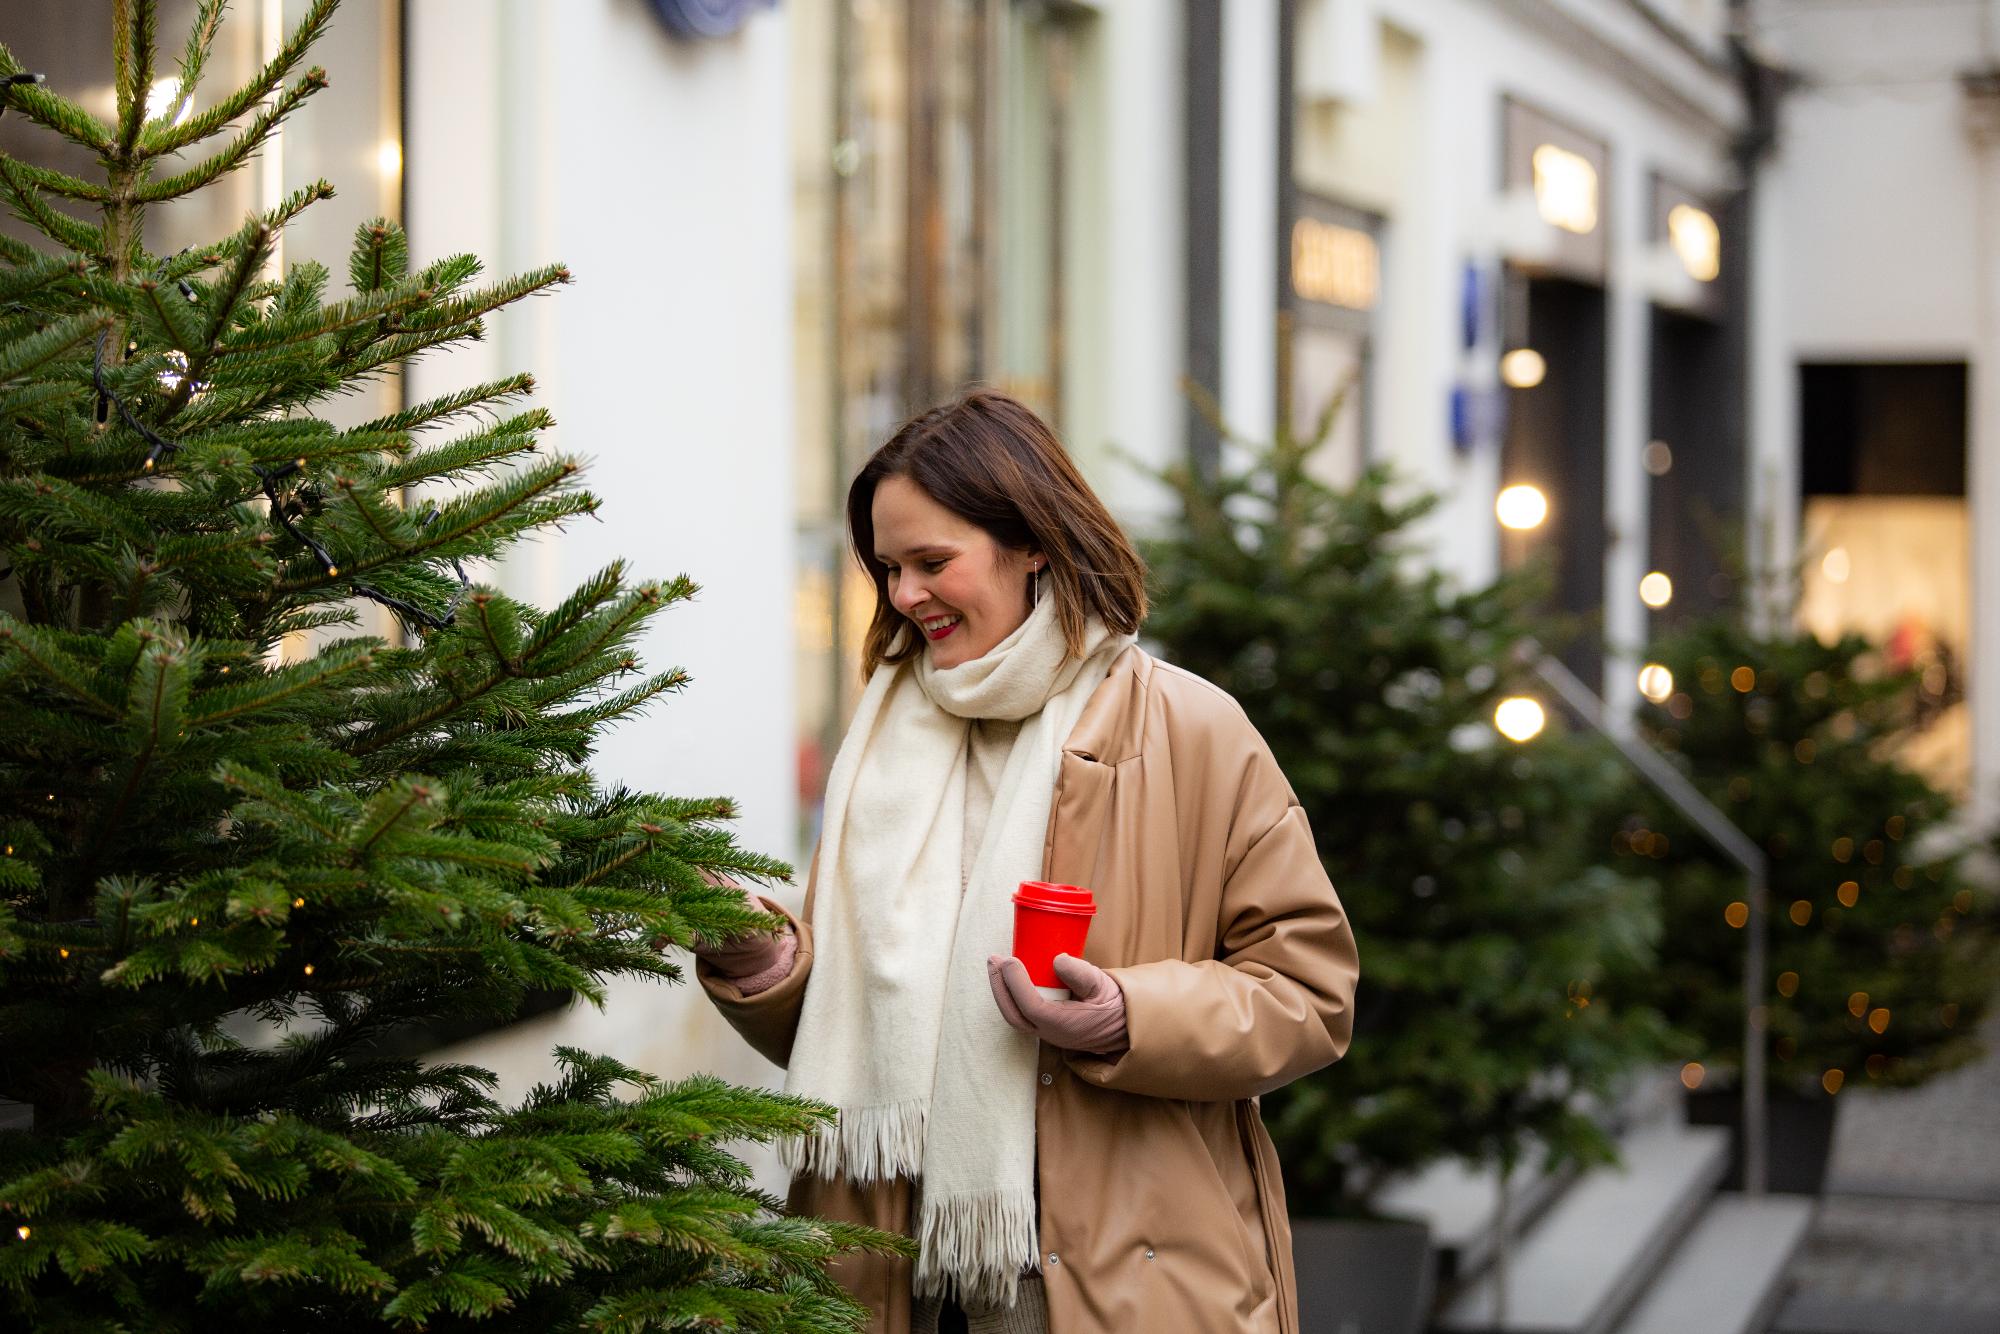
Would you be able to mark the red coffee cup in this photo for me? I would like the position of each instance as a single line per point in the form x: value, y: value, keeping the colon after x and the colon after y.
x: 1050, y: 920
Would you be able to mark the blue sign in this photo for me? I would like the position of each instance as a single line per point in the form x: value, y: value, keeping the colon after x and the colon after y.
x: 707, y: 18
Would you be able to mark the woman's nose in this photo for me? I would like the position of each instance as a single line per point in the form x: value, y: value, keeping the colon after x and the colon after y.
x: 909, y: 594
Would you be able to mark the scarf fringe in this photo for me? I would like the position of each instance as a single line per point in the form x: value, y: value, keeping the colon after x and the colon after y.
x: 866, y: 1144
x: 976, y: 1243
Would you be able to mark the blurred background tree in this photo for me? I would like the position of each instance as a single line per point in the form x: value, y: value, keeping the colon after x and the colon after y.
x: 1499, y: 949
x: 244, y: 851
x: 1882, y: 951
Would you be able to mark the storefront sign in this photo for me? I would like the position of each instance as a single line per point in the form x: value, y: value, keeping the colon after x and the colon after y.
x: 1337, y: 265
x: 1565, y: 172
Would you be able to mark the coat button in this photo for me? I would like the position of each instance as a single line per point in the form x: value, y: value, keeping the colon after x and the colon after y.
x: 1054, y: 1259
x: 1048, y: 1079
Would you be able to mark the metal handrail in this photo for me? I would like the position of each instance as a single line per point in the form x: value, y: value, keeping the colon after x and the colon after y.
x: 1737, y: 846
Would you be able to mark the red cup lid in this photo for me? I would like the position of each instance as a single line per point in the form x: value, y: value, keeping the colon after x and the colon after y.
x: 1055, y: 898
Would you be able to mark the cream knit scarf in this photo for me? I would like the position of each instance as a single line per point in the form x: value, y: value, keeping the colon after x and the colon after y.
x: 899, y: 1029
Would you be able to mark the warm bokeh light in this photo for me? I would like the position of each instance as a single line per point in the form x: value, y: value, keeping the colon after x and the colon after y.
x: 1857, y: 1004
x: 1737, y: 913
x: 1656, y: 590
x: 23, y: 1232
x: 1801, y: 912
x: 1878, y: 1020
x: 1832, y: 1080
x: 1744, y: 679
x: 1836, y: 566
x: 1656, y: 682
x: 1788, y: 983
x: 1521, y: 506
x: 1803, y: 750
x: 1696, y: 240
x: 1523, y: 368
x: 162, y: 95
x: 1658, y: 457
x: 1565, y: 189
x: 389, y: 157
x: 1691, y: 1074
x: 1849, y: 892
x: 1518, y: 718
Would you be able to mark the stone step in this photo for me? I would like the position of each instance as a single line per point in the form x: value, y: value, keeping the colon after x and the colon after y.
x: 1461, y: 1202
x: 1578, y: 1269
x: 1727, y: 1276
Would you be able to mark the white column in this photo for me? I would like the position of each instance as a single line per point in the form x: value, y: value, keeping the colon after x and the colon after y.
x: 1983, y: 497
x: 1250, y: 216
x: 1144, y: 287
x: 1625, y: 493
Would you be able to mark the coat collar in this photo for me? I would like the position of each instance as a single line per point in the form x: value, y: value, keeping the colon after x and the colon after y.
x: 1113, y: 721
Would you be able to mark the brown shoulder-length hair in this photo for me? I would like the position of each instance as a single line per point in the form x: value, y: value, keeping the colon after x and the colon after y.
x: 990, y: 460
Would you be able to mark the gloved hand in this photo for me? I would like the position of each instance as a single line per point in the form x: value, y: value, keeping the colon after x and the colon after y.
x: 756, y: 962
x: 1092, y: 1021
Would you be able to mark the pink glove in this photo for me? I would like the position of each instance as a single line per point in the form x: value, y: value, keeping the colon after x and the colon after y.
x: 1092, y: 1022
x: 756, y: 962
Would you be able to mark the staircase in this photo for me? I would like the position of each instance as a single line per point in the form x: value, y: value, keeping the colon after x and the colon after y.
x: 1649, y: 1247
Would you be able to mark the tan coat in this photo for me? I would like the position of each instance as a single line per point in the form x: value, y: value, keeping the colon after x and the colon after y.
x: 1161, y: 1206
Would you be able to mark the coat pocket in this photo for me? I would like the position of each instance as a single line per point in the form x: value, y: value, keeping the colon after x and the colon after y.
x: 1262, y: 1156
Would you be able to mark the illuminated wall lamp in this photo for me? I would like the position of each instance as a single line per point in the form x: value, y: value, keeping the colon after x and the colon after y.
x: 1523, y: 368
x: 1521, y: 506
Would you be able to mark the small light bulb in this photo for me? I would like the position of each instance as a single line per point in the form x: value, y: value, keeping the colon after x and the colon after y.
x: 1518, y: 718
x: 298, y: 903
x: 22, y: 1232
x: 1656, y: 682
x: 1523, y: 368
x: 1656, y: 590
x: 309, y: 970
x: 1521, y: 506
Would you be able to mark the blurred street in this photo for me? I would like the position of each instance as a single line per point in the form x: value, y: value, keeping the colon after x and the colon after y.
x: 1907, y: 1236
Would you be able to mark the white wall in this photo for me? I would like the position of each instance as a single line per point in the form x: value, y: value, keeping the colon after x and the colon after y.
x: 1890, y: 209
x: 659, y: 172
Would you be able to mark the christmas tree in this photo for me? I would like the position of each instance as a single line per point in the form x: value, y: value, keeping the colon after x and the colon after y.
x: 1882, y: 951
x: 1496, y: 945
x: 244, y: 849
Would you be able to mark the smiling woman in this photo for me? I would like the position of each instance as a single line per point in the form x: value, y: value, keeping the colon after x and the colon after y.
x: 959, y: 514
x: 1077, y: 1164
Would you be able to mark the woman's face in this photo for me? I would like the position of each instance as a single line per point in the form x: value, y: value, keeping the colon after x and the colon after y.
x: 964, y: 590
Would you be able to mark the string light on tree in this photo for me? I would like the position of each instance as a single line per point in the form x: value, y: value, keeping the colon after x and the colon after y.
x: 1656, y: 682
x: 1519, y: 718
x: 1656, y: 590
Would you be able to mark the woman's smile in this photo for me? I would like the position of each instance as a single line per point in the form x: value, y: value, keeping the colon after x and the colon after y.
x: 940, y: 626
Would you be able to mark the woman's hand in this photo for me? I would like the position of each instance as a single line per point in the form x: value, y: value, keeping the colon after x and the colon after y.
x: 757, y: 961
x: 1093, y: 1021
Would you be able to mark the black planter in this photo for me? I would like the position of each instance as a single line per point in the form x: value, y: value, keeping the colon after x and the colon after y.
x: 1798, y: 1137
x: 1361, y: 1277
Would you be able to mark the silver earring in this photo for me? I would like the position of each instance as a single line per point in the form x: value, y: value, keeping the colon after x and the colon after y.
x: 1034, y: 588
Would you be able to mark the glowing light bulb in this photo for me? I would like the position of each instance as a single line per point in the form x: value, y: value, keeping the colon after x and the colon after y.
x: 1523, y: 368
x: 1518, y: 718
x: 1656, y: 590
x: 389, y: 157
x: 1521, y: 506
x: 1691, y: 1074
x: 1656, y: 682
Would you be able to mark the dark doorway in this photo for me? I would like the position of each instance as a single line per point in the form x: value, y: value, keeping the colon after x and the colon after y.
x: 1694, y: 457
x: 1555, y: 442
x: 1882, y: 428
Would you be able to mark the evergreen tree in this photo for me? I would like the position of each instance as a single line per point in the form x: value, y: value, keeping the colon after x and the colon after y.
x: 1882, y: 951
x: 1496, y: 946
x: 230, y: 879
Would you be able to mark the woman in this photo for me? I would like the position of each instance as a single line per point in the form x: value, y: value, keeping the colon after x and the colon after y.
x: 1081, y: 1165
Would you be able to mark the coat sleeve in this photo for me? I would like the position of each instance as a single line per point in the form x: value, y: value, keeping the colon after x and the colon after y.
x: 769, y: 1020
x: 1277, y: 1000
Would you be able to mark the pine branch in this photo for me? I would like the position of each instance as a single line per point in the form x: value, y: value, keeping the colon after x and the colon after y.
x: 132, y: 26
x: 240, y: 149
x: 25, y: 200
x: 21, y: 91
x: 170, y: 138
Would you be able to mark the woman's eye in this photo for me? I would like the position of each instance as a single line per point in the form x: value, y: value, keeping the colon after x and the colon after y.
x: 933, y: 566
